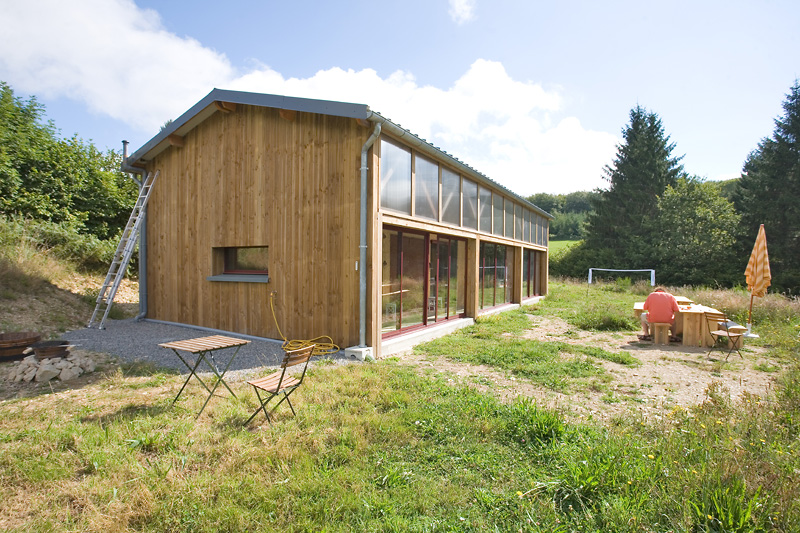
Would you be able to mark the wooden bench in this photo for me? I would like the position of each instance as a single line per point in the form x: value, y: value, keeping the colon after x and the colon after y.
x: 660, y: 332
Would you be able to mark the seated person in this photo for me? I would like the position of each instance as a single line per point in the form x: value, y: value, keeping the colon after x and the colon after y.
x: 660, y: 306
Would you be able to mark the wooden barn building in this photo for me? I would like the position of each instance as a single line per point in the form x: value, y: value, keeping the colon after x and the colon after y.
x: 365, y: 232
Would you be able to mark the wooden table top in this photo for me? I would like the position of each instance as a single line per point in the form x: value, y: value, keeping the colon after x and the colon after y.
x: 204, y: 344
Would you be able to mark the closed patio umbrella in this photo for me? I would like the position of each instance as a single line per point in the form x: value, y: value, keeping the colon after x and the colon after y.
x: 757, y: 272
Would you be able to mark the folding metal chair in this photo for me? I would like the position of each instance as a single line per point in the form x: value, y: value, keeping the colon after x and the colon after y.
x: 719, y: 327
x: 281, y: 382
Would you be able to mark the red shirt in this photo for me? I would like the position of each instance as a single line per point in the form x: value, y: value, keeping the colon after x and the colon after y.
x: 660, y: 307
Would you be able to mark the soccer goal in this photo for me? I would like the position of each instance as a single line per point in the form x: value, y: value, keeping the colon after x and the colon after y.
x: 652, y: 273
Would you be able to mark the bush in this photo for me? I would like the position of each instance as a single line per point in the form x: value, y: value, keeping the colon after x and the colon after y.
x: 62, y: 241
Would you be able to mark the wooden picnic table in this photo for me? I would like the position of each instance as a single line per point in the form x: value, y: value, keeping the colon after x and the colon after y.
x: 690, y: 321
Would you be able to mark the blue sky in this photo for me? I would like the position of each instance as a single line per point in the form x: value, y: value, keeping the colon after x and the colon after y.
x: 533, y: 94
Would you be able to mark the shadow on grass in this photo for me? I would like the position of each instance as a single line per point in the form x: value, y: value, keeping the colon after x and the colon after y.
x: 131, y: 412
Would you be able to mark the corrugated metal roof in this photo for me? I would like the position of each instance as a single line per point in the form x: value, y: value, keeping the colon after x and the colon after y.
x: 206, y: 107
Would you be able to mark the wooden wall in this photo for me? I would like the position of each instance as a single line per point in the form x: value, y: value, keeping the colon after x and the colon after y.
x: 253, y: 178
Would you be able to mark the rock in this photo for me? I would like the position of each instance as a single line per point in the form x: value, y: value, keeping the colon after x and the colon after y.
x: 69, y: 373
x: 88, y: 365
x: 46, y: 373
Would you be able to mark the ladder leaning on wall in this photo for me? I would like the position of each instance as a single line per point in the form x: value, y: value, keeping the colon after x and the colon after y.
x: 119, y: 265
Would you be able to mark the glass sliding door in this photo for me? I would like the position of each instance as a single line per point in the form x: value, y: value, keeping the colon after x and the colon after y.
x: 390, y: 286
x: 414, y: 254
x: 423, y: 279
x: 531, y: 275
x: 496, y: 274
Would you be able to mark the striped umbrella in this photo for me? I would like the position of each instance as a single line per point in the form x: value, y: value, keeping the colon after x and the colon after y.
x: 757, y: 272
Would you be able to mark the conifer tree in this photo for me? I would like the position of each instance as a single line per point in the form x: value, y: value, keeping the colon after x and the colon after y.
x: 769, y: 193
x: 618, y: 231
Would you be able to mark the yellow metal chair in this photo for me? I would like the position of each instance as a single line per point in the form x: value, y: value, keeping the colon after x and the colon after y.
x: 281, y: 382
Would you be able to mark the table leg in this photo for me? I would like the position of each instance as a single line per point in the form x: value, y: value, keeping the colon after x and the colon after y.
x: 192, y: 372
x: 221, y: 376
x: 692, y: 329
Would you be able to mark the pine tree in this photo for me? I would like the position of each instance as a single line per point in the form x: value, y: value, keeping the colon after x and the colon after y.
x: 618, y: 230
x: 769, y: 193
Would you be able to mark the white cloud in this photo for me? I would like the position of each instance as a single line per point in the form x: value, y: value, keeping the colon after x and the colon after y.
x: 512, y: 131
x: 119, y: 61
x: 462, y: 11
x: 111, y: 55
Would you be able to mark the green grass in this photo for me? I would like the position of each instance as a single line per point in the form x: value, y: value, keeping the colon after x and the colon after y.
x: 558, y: 246
x: 494, y: 341
x: 383, y: 447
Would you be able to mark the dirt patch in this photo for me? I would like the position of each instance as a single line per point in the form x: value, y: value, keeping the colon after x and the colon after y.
x: 669, y: 377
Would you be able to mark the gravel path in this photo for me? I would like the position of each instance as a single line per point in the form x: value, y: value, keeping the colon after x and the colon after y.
x: 133, y: 341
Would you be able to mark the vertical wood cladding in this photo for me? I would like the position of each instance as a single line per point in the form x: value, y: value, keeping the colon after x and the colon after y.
x: 252, y: 178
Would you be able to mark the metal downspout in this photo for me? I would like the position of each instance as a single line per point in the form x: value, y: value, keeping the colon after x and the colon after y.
x: 132, y: 171
x: 362, y: 246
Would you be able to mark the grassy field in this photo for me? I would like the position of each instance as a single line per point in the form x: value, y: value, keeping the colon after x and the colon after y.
x: 558, y: 246
x: 389, y: 447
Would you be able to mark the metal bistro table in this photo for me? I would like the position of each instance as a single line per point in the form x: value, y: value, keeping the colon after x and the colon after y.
x: 204, y: 348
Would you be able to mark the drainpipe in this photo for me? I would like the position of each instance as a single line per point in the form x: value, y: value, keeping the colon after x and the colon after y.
x: 362, y: 245
x: 132, y: 171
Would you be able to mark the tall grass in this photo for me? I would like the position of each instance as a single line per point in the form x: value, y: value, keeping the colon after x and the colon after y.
x: 57, y: 242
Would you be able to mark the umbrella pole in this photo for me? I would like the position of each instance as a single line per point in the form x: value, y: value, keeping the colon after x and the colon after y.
x: 749, y: 334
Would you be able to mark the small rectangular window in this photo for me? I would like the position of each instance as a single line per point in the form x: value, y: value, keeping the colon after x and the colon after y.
x: 246, y: 260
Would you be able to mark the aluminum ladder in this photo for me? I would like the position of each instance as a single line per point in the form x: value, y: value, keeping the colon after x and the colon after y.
x: 123, y: 255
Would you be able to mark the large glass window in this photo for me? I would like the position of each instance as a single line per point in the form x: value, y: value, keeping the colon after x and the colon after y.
x: 531, y: 273
x: 518, y: 221
x: 403, y: 283
x: 470, y: 204
x: 495, y: 274
x: 485, y: 209
x: 395, y: 177
x: 497, y: 214
x: 426, y: 188
x: 423, y: 279
x: 451, y: 197
x: 390, y: 287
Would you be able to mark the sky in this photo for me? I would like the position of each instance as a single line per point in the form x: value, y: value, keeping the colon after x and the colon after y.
x: 533, y: 94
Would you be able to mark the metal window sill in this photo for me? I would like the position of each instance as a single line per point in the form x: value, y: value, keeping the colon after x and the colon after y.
x: 240, y: 278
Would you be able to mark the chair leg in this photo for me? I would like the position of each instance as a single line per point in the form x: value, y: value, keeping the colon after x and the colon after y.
x: 262, y: 407
x: 731, y: 351
x: 286, y: 398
